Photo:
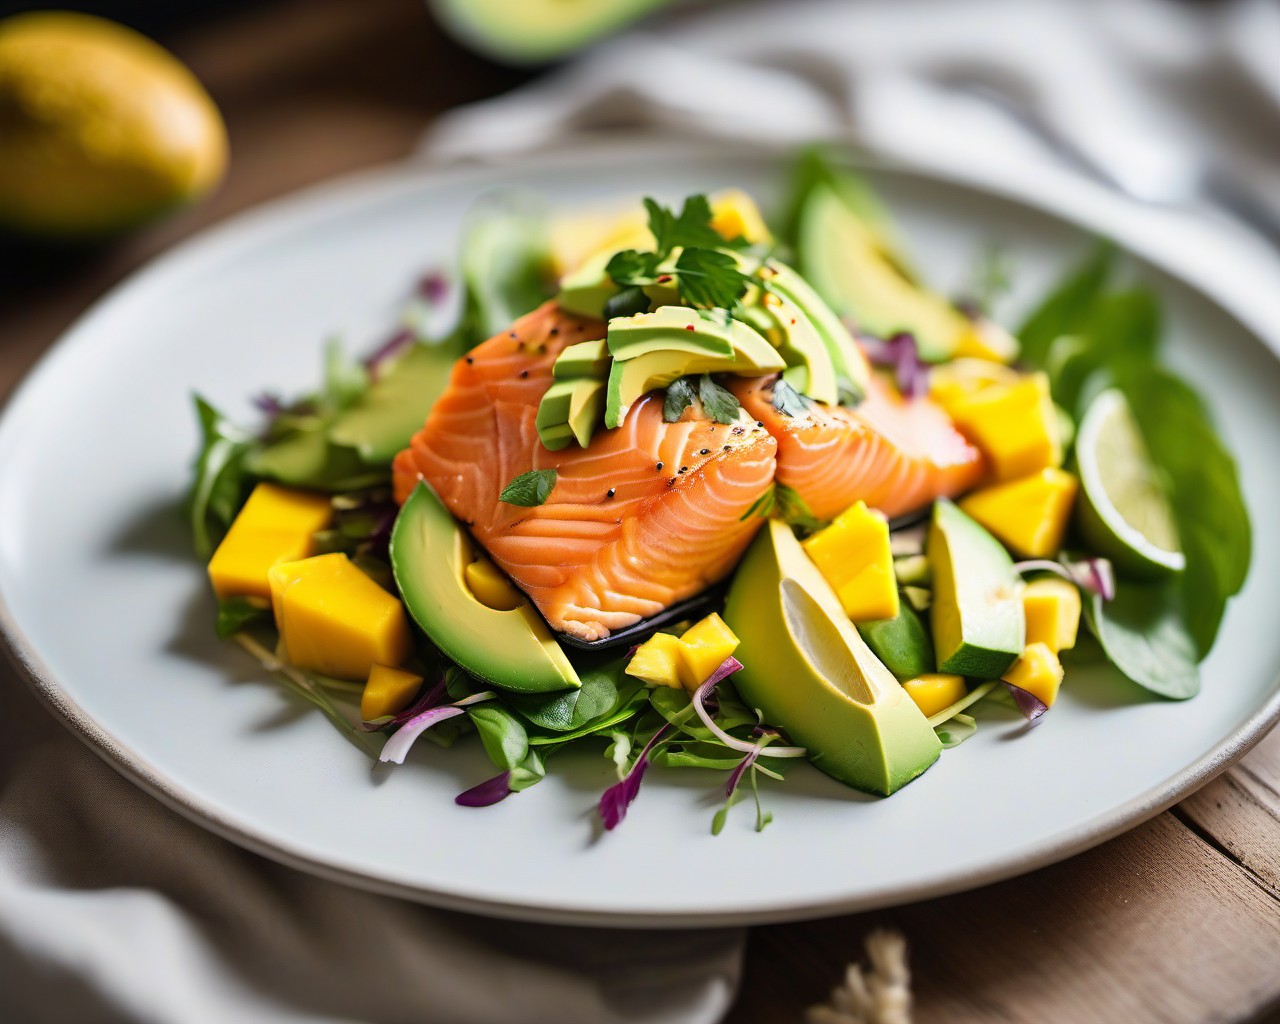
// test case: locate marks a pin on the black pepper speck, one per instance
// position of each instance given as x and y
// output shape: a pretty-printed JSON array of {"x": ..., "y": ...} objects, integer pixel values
[
  {"x": 704, "y": 451},
  {"x": 513, "y": 335},
  {"x": 470, "y": 360},
  {"x": 524, "y": 374},
  {"x": 658, "y": 467},
  {"x": 554, "y": 331},
  {"x": 684, "y": 469},
  {"x": 671, "y": 482},
  {"x": 611, "y": 492},
  {"x": 728, "y": 447}
]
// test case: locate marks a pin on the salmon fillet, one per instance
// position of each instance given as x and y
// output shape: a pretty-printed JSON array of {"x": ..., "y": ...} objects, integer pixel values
[
  {"x": 894, "y": 454},
  {"x": 647, "y": 515}
]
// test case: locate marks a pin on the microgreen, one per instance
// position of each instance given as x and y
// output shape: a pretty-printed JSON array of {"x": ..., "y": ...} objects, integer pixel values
[{"x": 530, "y": 489}]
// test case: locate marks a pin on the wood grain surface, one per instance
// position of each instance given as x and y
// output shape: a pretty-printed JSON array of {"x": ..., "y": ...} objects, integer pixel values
[{"x": 1177, "y": 921}]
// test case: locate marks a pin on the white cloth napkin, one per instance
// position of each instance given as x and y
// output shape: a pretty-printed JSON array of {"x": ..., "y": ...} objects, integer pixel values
[{"x": 112, "y": 908}]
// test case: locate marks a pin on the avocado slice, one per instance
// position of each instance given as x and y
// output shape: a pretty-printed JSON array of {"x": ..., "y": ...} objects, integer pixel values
[
  {"x": 669, "y": 343},
  {"x": 585, "y": 359},
  {"x": 902, "y": 643},
  {"x": 570, "y": 410},
  {"x": 846, "y": 262},
  {"x": 978, "y": 625},
  {"x": 799, "y": 343},
  {"x": 513, "y": 650},
  {"x": 808, "y": 671},
  {"x": 584, "y": 291}
]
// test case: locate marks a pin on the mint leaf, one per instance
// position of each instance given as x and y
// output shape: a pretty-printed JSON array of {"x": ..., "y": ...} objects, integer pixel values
[
  {"x": 529, "y": 489},
  {"x": 788, "y": 401},
  {"x": 719, "y": 404},
  {"x": 628, "y": 302},
  {"x": 680, "y": 396},
  {"x": 709, "y": 278}
]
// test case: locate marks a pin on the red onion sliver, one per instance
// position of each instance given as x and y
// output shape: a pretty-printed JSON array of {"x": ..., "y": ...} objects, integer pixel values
[
  {"x": 727, "y": 668},
  {"x": 488, "y": 793},
  {"x": 615, "y": 800},
  {"x": 1028, "y": 703},
  {"x": 402, "y": 740}
]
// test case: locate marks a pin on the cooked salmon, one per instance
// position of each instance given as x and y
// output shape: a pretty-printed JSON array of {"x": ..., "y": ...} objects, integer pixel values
[
  {"x": 649, "y": 514},
  {"x": 897, "y": 455}
]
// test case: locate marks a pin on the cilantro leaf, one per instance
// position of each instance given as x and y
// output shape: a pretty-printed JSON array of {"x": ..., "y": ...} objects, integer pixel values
[
  {"x": 719, "y": 404},
  {"x": 691, "y": 228},
  {"x": 628, "y": 302},
  {"x": 709, "y": 278},
  {"x": 529, "y": 489},
  {"x": 680, "y": 395},
  {"x": 629, "y": 267},
  {"x": 788, "y": 401}
]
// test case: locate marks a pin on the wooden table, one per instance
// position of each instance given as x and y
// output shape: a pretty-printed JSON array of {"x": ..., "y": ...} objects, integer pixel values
[{"x": 1177, "y": 921}]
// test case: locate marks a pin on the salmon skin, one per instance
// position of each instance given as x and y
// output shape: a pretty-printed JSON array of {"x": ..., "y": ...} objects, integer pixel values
[
  {"x": 647, "y": 515},
  {"x": 895, "y": 454}
]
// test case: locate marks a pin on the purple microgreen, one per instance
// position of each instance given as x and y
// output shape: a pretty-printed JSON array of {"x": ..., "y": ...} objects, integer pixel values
[
  {"x": 736, "y": 775},
  {"x": 402, "y": 740},
  {"x": 488, "y": 793},
  {"x": 268, "y": 403},
  {"x": 433, "y": 286},
  {"x": 1028, "y": 703},
  {"x": 615, "y": 800},
  {"x": 390, "y": 348},
  {"x": 900, "y": 353},
  {"x": 727, "y": 667},
  {"x": 1094, "y": 575}
]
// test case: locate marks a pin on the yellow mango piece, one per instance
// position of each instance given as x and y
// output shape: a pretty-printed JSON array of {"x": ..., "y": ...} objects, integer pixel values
[
  {"x": 334, "y": 619},
  {"x": 935, "y": 691},
  {"x": 734, "y": 214},
  {"x": 657, "y": 661},
  {"x": 1038, "y": 671},
  {"x": 985, "y": 339},
  {"x": 703, "y": 646},
  {"x": 1015, "y": 426},
  {"x": 490, "y": 587},
  {"x": 854, "y": 556},
  {"x": 387, "y": 691},
  {"x": 1051, "y": 607},
  {"x": 275, "y": 525},
  {"x": 1028, "y": 515}
]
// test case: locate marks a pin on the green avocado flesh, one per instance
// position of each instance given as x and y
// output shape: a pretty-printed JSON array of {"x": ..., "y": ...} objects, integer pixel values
[
  {"x": 674, "y": 341},
  {"x": 844, "y": 260},
  {"x": 807, "y": 670},
  {"x": 533, "y": 31},
  {"x": 513, "y": 650},
  {"x": 977, "y": 619},
  {"x": 569, "y": 411},
  {"x": 585, "y": 359},
  {"x": 902, "y": 643}
]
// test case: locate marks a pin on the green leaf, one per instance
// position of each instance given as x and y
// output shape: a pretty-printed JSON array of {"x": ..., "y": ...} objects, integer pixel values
[
  {"x": 680, "y": 395},
  {"x": 599, "y": 694},
  {"x": 816, "y": 167},
  {"x": 505, "y": 263},
  {"x": 1142, "y": 632},
  {"x": 1204, "y": 490},
  {"x": 709, "y": 278},
  {"x": 691, "y": 228},
  {"x": 632, "y": 701},
  {"x": 220, "y": 485},
  {"x": 529, "y": 489},
  {"x": 956, "y": 729},
  {"x": 628, "y": 302},
  {"x": 630, "y": 268},
  {"x": 1120, "y": 333},
  {"x": 718, "y": 403},
  {"x": 788, "y": 401},
  {"x": 344, "y": 379},
  {"x": 1064, "y": 310},
  {"x": 795, "y": 510},
  {"x": 237, "y": 613},
  {"x": 528, "y": 772},
  {"x": 504, "y": 738},
  {"x": 762, "y": 506}
]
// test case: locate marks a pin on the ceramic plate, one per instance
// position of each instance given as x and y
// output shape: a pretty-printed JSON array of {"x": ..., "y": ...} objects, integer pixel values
[{"x": 112, "y": 619}]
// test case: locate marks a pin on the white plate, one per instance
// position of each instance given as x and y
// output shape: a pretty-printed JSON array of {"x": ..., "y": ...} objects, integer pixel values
[{"x": 111, "y": 616}]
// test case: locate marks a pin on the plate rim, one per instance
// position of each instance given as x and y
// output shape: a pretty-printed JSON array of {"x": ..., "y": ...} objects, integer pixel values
[{"x": 354, "y": 189}]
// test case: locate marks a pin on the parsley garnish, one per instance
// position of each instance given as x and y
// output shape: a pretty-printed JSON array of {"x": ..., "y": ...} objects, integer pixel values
[
  {"x": 705, "y": 276},
  {"x": 529, "y": 489},
  {"x": 680, "y": 396}
]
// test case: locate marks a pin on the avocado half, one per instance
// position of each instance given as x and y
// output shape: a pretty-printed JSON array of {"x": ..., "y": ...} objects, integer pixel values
[
  {"x": 513, "y": 650},
  {"x": 807, "y": 670}
]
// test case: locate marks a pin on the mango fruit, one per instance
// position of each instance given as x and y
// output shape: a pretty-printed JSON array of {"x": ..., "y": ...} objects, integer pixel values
[
  {"x": 1051, "y": 607},
  {"x": 935, "y": 691},
  {"x": 276, "y": 524},
  {"x": 387, "y": 691},
  {"x": 1015, "y": 425},
  {"x": 1028, "y": 515},
  {"x": 688, "y": 660},
  {"x": 854, "y": 556},
  {"x": 102, "y": 128},
  {"x": 657, "y": 661},
  {"x": 1038, "y": 671}
]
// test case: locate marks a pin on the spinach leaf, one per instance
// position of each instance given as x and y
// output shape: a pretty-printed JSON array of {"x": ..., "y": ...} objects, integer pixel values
[
  {"x": 630, "y": 702},
  {"x": 237, "y": 613},
  {"x": 505, "y": 265},
  {"x": 604, "y": 688},
  {"x": 1204, "y": 489},
  {"x": 528, "y": 772},
  {"x": 1065, "y": 309},
  {"x": 1143, "y": 633},
  {"x": 1120, "y": 334},
  {"x": 220, "y": 485},
  {"x": 504, "y": 738}
]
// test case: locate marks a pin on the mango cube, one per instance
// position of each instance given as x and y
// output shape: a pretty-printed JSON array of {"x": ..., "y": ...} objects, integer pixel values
[
  {"x": 734, "y": 214},
  {"x": 703, "y": 647},
  {"x": 1028, "y": 515},
  {"x": 1038, "y": 671},
  {"x": 490, "y": 587},
  {"x": 275, "y": 525},
  {"x": 657, "y": 661},
  {"x": 387, "y": 691},
  {"x": 334, "y": 619},
  {"x": 854, "y": 556},
  {"x": 1015, "y": 425},
  {"x": 1051, "y": 607},
  {"x": 935, "y": 691}
]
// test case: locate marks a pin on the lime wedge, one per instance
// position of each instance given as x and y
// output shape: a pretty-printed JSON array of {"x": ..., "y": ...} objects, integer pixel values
[{"x": 1124, "y": 513}]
